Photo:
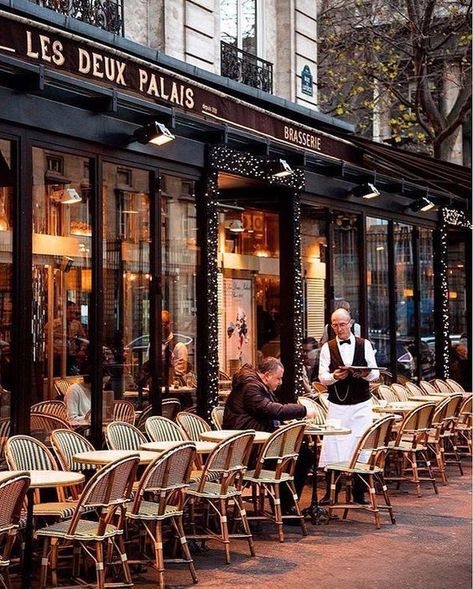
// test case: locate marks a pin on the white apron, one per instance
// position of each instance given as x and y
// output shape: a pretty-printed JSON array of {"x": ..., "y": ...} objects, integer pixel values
[{"x": 358, "y": 418}]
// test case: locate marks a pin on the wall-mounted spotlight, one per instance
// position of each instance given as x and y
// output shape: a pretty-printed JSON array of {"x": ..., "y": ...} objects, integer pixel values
[
  {"x": 66, "y": 196},
  {"x": 422, "y": 205},
  {"x": 155, "y": 133},
  {"x": 367, "y": 190},
  {"x": 280, "y": 169},
  {"x": 236, "y": 226}
]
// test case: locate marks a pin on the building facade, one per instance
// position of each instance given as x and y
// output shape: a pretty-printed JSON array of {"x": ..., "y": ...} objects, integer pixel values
[{"x": 248, "y": 227}]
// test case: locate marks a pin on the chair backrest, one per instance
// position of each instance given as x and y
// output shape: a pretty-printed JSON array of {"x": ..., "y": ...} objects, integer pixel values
[
  {"x": 454, "y": 385},
  {"x": 142, "y": 417},
  {"x": 217, "y": 416},
  {"x": 170, "y": 408},
  {"x": 43, "y": 422},
  {"x": 401, "y": 391},
  {"x": 55, "y": 408},
  {"x": 428, "y": 388},
  {"x": 374, "y": 400},
  {"x": 109, "y": 489},
  {"x": 5, "y": 427},
  {"x": 12, "y": 496},
  {"x": 413, "y": 390},
  {"x": 372, "y": 446},
  {"x": 385, "y": 392},
  {"x": 283, "y": 446},
  {"x": 62, "y": 384},
  {"x": 320, "y": 413},
  {"x": 123, "y": 411},
  {"x": 465, "y": 415},
  {"x": 161, "y": 429},
  {"x": 28, "y": 453},
  {"x": 223, "y": 375},
  {"x": 65, "y": 443},
  {"x": 120, "y": 435},
  {"x": 454, "y": 406},
  {"x": 416, "y": 423},
  {"x": 442, "y": 386},
  {"x": 228, "y": 460},
  {"x": 165, "y": 477},
  {"x": 322, "y": 399},
  {"x": 192, "y": 424}
]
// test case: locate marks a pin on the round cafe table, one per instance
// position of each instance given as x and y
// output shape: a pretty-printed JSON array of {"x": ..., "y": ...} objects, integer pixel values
[
  {"x": 396, "y": 407},
  {"x": 317, "y": 513},
  {"x": 102, "y": 457},
  {"x": 201, "y": 447},
  {"x": 223, "y": 434}
]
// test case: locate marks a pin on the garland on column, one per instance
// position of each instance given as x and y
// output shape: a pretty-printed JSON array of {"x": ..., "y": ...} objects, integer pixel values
[{"x": 298, "y": 294}]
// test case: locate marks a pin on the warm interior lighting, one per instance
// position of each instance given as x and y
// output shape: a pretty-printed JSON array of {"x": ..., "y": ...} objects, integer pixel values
[
  {"x": 452, "y": 294},
  {"x": 408, "y": 292},
  {"x": 155, "y": 133},
  {"x": 367, "y": 191},
  {"x": 280, "y": 169},
  {"x": 236, "y": 226},
  {"x": 66, "y": 196}
]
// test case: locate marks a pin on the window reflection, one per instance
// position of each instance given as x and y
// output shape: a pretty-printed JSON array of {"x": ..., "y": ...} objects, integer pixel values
[
  {"x": 346, "y": 278},
  {"x": 238, "y": 23},
  {"x": 427, "y": 334}
]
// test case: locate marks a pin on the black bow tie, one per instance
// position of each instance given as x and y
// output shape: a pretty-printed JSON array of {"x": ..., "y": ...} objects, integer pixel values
[{"x": 344, "y": 341}]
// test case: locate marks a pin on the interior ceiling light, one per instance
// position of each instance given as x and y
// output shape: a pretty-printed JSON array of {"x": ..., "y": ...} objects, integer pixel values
[
  {"x": 155, "y": 133},
  {"x": 280, "y": 169},
  {"x": 66, "y": 196},
  {"x": 367, "y": 190},
  {"x": 422, "y": 205},
  {"x": 236, "y": 226}
]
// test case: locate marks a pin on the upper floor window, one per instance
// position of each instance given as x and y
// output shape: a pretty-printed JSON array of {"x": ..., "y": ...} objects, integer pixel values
[{"x": 238, "y": 22}]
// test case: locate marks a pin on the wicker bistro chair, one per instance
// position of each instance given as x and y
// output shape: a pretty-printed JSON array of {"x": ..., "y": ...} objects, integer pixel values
[
  {"x": 320, "y": 412},
  {"x": 413, "y": 390},
  {"x": 454, "y": 385},
  {"x": 441, "y": 386},
  {"x": 12, "y": 497},
  {"x": 192, "y": 424},
  {"x": 55, "y": 408},
  {"x": 464, "y": 426},
  {"x": 217, "y": 416},
  {"x": 428, "y": 388},
  {"x": 65, "y": 443},
  {"x": 106, "y": 493},
  {"x": 229, "y": 460},
  {"x": 401, "y": 391},
  {"x": 5, "y": 428},
  {"x": 170, "y": 408},
  {"x": 142, "y": 417},
  {"x": 27, "y": 453},
  {"x": 366, "y": 465},
  {"x": 43, "y": 424},
  {"x": 385, "y": 392},
  {"x": 123, "y": 411},
  {"x": 282, "y": 449},
  {"x": 120, "y": 435},
  {"x": 322, "y": 400},
  {"x": 161, "y": 429},
  {"x": 164, "y": 480},
  {"x": 411, "y": 444}
]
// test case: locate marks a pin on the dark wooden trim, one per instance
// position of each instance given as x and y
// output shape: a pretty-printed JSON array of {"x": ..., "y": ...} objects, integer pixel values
[
  {"x": 362, "y": 265},
  {"x": 392, "y": 301},
  {"x": 416, "y": 289},
  {"x": 156, "y": 296}
]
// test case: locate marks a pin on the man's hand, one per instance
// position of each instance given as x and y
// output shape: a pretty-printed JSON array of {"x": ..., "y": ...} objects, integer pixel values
[{"x": 341, "y": 373}]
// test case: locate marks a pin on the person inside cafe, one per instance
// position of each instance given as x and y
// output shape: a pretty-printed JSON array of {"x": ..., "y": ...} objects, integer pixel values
[
  {"x": 77, "y": 399},
  {"x": 76, "y": 340},
  {"x": 175, "y": 354},
  {"x": 349, "y": 396},
  {"x": 252, "y": 404}
]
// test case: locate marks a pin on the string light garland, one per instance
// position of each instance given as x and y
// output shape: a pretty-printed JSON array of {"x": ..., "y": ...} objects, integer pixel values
[{"x": 298, "y": 294}]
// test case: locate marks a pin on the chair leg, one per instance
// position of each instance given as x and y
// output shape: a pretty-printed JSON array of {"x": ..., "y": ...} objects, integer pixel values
[
  {"x": 224, "y": 529},
  {"x": 373, "y": 501},
  {"x": 44, "y": 563},
  {"x": 53, "y": 560},
  {"x": 120, "y": 544},
  {"x": 158, "y": 552},
  {"x": 415, "y": 474},
  {"x": 246, "y": 525},
  {"x": 387, "y": 499},
  {"x": 185, "y": 547},
  {"x": 292, "y": 488},
  {"x": 99, "y": 566},
  {"x": 278, "y": 512}
]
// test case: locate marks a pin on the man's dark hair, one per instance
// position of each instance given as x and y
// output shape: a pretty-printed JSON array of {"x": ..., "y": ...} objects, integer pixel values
[
  {"x": 309, "y": 341},
  {"x": 269, "y": 364}
]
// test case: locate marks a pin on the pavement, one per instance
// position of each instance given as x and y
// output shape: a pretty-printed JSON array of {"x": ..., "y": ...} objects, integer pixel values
[{"x": 429, "y": 547}]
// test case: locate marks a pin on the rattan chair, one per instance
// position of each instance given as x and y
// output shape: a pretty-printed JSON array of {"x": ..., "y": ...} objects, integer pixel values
[
  {"x": 161, "y": 429},
  {"x": 441, "y": 386},
  {"x": 367, "y": 466},
  {"x": 28, "y": 453},
  {"x": 170, "y": 408},
  {"x": 62, "y": 384},
  {"x": 43, "y": 424},
  {"x": 385, "y": 392},
  {"x": 282, "y": 450},
  {"x": 454, "y": 385},
  {"x": 192, "y": 424},
  {"x": 449, "y": 431},
  {"x": 322, "y": 400},
  {"x": 435, "y": 440},
  {"x": 55, "y": 408},
  {"x": 120, "y": 435},
  {"x": 123, "y": 411},
  {"x": 5, "y": 428},
  {"x": 464, "y": 426},
  {"x": 320, "y": 413},
  {"x": 13, "y": 491},
  {"x": 401, "y": 391},
  {"x": 216, "y": 416},
  {"x": 413, "y": 390},
  {"x": 411, "y": 445},
  {"x": 98, "y": 519},
  {"x": 142, "y": 417},
  {"x": 164, "y": 479},
  {"x": 65, "y": 443},
  {"x": 428, "y": 388},
  {"x": 229, "y": 460}
]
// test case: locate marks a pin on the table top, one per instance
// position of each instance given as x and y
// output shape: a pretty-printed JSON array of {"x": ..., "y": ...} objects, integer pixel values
[
  {"x": 153, "y": 447},
  {"x": 396, "y": 407},
  {"x": 101, "y": 457},
  {"x": 42, "y": 479},
  {"x": 222, "y": 434},
  {"x": 326, "y": 430},
  {"x": 427, "y": 398}
]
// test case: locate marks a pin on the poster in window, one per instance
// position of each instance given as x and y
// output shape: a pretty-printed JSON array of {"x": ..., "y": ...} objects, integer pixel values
[{"x": 238, "y": 321}]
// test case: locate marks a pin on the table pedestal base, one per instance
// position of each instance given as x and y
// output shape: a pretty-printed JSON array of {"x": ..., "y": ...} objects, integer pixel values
[{"x": 316, "y": 514}]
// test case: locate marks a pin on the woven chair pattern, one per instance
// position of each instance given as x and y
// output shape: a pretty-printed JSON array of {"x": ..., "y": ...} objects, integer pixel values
[
  {"x": 5, "y": 428},
  {"x": 230, "y": 455},
  {"x": 170, "y": 408},
  {"x": 141, "y": 420},
  {"x": 55, "y": 408},
  {"x": 42, "y": 422},
  {"x": 123, "y": 411},
  {"x": 322, "y": 399},
  {"x": 401, "y": 391},
  {"x": 161, "y": 429},
  {"x": 27, "y": 453},
  {"x": 62, "y": 384},
  {"x": 171, "y": 470},
  {"x": 428, "y": 388},
  {"x": 454, "y": 385},
  {"x": 12, "y": 494},
  {"x": 217, "y": 416},
  {"x": 120, "y": 435},
  {"x": 442, "y": 386},
  {"x": 413, "y": 390},
  {"x": 65, "y": 444},
  {"x": 284, "y": 443},
  {"x": 320, "y": 413},
  {"x": 192, "y": 424},
  {"x": 385, "y": 392}
]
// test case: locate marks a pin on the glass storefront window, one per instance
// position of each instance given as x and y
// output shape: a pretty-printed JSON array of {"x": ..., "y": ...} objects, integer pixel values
[
  {"x": 377, "y": 280},
  {"x": 62, "y": 235},
  {"x": 238, "y": 23},
  {"x": 126, "y": 280},
  {"x": 346, "y": 277},
  {"x": 179, "y": 267},
  {"x": 6, "y": 294},
  {"x": 427, "y": 334}
]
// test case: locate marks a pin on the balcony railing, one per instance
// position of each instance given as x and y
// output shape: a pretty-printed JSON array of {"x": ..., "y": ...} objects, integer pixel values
[
  {"x": 246, "y": 68},
  {"x": 104, "y": 14}
]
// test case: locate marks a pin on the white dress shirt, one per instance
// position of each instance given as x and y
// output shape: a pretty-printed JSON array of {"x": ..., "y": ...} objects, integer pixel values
[{"x": 347, "y": 352}]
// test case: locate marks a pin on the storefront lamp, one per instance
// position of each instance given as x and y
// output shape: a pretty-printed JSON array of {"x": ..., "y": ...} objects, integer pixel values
[
  {"x": 367, "y": 191},
  {"x": 281, "y": 169},
  {"x": 155, "y": 133},
  {"x": 422, "y": 205}
]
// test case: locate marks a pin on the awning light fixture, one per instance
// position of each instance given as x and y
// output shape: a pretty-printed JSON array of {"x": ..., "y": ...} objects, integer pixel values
[
  {"x": 281, "y": 169},
  {"x": 155, "y": 133}
]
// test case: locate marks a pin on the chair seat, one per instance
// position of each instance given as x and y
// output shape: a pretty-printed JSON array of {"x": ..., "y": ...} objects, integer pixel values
[
  {"x": 196, "y": 475},
  {"x": 63, "y": 510},
  {"x": 85, "y": 531},
  {"x": 359, "y": 468},
  {"x": 266, "y": 476},
  {"x": 212, "y": 491},
  {"x": 407, "y": 447},
  {"x": 148, "y": 510}
]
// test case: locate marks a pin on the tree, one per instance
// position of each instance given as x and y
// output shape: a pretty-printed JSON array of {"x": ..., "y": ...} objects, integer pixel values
[{"x": 401, "y": 64}]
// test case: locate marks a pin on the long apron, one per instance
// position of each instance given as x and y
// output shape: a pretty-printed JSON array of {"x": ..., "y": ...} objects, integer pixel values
[{"x": 355, "y": 417}]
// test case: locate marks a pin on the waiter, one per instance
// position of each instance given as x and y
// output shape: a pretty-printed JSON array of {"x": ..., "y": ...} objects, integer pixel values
[{"x": 349, "y": 395}]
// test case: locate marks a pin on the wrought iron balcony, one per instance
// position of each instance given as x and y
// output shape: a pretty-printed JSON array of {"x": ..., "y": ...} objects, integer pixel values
[
  {"x": 104, "y": 14},
  {"x": 246, "y": 68}
]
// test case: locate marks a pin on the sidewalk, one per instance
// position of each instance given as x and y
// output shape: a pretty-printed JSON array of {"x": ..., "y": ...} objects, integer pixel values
[{"x": 430, "y": 547}]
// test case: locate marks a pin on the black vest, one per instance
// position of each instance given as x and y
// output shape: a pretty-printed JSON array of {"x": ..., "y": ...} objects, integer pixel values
[{"x": 349, "y": 391}]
